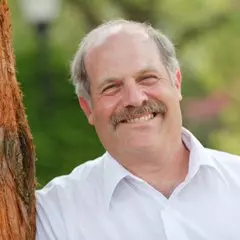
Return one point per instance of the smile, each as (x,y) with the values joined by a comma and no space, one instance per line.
(140,119)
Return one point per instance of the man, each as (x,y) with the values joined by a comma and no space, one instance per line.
(155,181)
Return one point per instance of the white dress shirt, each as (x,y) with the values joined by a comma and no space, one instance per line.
(101,200)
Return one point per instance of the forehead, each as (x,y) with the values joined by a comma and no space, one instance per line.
(122,52)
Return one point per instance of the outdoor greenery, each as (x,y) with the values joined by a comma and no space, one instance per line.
(207,37)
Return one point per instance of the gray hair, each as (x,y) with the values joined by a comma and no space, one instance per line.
(80,77)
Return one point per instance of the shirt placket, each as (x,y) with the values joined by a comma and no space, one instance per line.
(172,227)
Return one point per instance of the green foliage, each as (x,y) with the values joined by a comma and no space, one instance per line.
(206,34)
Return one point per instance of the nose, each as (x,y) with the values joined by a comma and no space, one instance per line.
(133,95)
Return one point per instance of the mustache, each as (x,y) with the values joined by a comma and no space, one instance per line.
(131,112)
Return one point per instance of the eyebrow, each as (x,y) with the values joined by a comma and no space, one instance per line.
(146,70)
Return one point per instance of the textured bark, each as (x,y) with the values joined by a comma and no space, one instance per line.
(17,154)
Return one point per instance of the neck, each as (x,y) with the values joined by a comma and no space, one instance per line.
(164,168)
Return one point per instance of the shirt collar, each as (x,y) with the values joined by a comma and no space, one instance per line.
(114,172)
(199,156)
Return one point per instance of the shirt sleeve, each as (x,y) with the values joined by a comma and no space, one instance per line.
(49,220)
(44,229)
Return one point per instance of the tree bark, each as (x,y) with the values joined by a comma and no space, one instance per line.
(17,154)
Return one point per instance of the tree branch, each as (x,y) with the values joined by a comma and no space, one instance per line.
(193,32)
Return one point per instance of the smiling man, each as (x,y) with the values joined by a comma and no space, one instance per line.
(155,181)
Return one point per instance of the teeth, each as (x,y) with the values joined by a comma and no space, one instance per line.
(140,119)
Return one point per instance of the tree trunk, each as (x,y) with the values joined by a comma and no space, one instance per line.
(17,154)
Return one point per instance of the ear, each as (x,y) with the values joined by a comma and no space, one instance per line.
(178,83)
(85,105)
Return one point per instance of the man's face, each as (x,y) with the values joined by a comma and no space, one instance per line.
(134,103)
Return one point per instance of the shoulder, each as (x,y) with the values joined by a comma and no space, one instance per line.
(228,164)
(85,173)
(224,157)
(58,204)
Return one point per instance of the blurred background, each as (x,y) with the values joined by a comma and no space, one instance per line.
(46,34)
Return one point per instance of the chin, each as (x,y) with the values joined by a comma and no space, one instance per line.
(139,143)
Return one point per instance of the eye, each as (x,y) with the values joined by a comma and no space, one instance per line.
(148,79)
(110,89)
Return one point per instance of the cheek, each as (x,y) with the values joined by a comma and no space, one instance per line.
(158,92)
(104,108)
(167,95)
